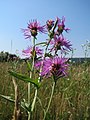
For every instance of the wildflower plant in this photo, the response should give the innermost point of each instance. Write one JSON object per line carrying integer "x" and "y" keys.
{"x": 47, "y": 62}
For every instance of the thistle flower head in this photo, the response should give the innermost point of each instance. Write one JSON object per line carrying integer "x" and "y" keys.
{"x": 61, "y": 26}
{"x": 33, "y": 28}
{"x": 50, "y": 24}
{"x": 53, "y": 66}
{"x": 60, "y": 43}
{"x": 29, "y": 52}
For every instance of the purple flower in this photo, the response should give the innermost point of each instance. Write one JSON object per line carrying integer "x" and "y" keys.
{"x": 53, "y": 66}
{"x": 60, "y": 43}
{"x": 29, "y": 52}
{"x": 61, "y": 26}
{"x": 50, "y": 24}
{"x": 33, "y": 28}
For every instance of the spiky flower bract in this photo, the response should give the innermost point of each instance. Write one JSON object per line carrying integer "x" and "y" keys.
{"x": 33, "y": 28}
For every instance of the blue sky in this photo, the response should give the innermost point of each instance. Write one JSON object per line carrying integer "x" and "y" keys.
{"x": 15, "y": 14}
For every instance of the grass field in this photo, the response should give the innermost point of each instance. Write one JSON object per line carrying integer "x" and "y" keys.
{"x": 71, "y": 100}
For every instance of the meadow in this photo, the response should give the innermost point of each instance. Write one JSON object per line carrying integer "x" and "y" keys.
{"x": 44, "y": 86}
{"x": 71, "y": 99}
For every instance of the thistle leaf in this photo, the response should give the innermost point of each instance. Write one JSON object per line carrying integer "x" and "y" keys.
{"x": 42, "y": 43}
{"x": 25, "y": 78}
{"x": 7, "y": 98}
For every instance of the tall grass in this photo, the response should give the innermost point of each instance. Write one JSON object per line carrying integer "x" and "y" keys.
{"x": 71, "y": 100}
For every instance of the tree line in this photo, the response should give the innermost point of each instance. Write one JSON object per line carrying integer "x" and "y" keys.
{"x": 6, "y": 57}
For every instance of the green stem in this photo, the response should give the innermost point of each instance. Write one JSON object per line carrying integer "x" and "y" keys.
{"x": 29, "y": 93}
{"x": 34, "y": 101}
{"x": 49, "y": 101}
{"x": 29, "y": 115}
{"x": 33, "y": 105}
{"x": 35, "y": 96}
{"x": 31, "y": 73}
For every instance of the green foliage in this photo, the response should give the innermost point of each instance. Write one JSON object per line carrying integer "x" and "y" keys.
{"x": 42, "y": 43}
{"x": 7, "y": 98}
{"x": 71, "y": 100}
{"x": 25, "y": 78}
